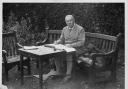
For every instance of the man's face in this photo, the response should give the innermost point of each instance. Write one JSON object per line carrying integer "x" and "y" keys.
{"x": 70, "y": 21}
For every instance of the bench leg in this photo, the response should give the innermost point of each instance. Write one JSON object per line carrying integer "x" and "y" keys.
{"x": 6, "y": 71}
{"x": 6, "y": 74}
{"x": 113, "y": 70}
{"x": 113, "y": 75}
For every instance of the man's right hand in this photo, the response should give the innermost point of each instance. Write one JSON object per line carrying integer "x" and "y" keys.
{"x": 55, "y": 42}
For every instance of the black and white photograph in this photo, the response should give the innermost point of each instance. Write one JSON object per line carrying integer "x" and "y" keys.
{"x": 63, "y": 45}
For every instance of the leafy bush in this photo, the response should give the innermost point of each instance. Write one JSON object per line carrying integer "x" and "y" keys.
{"x": 106, "y": 18}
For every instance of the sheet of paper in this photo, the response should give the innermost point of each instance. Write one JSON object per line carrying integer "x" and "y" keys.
{"x": 61, "y": 47}
{"x": 30, "y": 47}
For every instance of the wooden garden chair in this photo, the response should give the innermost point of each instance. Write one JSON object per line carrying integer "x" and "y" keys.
{"x": 10, "y": 55}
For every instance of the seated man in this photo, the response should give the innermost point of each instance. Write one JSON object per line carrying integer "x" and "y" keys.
{"x": 73, "y": 35}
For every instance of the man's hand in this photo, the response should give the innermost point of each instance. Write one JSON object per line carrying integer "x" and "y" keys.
{"x": 55, "y": 42}
{"x": 68, "y": 45}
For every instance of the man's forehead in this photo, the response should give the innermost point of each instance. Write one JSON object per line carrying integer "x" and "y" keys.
{"x": 69, "y": 17}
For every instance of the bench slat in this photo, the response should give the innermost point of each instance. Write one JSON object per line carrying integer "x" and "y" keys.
{"x": 103, "y": 45}
{"x": 113, "y": 45}
{"x": 109, "y": 46}
{"x": 54, "y": 31}
{"x": 106, "y": 45}
{"x": 100, "y": 43}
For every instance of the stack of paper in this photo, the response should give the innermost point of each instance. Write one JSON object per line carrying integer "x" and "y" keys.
{"x": 60, "y": 47}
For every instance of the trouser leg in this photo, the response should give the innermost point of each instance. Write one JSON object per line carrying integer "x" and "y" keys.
{"x": 69, "y": 64}
{"x": 58, "y": 64}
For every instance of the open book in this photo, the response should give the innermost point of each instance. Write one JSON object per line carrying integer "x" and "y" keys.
{"x": 60, "y": 47}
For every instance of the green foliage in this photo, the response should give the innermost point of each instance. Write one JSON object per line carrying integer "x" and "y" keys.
{"x": 107, "y": 18}
{"x": 94, "y": 17}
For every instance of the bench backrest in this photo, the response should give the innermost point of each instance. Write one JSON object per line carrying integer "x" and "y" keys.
{"x": 53, "y": 35}
{"x": 9, "y": 42}
{"x": 104, "y": 42}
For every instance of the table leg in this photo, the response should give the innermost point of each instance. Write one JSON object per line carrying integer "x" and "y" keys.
{"x": 29, "y": 66}
{"x": 21, "y": 69}
{"x": 40, "y": 73}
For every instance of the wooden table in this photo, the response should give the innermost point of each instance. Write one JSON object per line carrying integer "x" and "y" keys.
{"x": 41, "y": 53}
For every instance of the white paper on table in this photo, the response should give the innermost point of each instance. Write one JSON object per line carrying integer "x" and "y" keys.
{"x": 30, "y": 47}
{"x": 61, "y": 47}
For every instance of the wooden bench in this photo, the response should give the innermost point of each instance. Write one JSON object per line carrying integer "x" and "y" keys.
{"x": 108, "y": 44}
{"x": 9, "y": 53}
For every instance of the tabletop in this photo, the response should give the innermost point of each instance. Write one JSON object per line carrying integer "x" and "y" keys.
{"x": 40, "y": 50}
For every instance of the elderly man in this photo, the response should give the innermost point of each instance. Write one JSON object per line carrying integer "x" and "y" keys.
{"x": 73, "y": 35}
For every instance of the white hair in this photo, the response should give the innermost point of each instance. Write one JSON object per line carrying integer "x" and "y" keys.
{"x": 69, "y": 17}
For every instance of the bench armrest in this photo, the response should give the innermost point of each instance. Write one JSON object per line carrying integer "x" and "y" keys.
{"x": 93, "y": 55}
{"x": 19, "y": 45}
{"x": 110, "y": 53}
{"x": 4, "y": 53}
{"x": 104, "y": 55}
